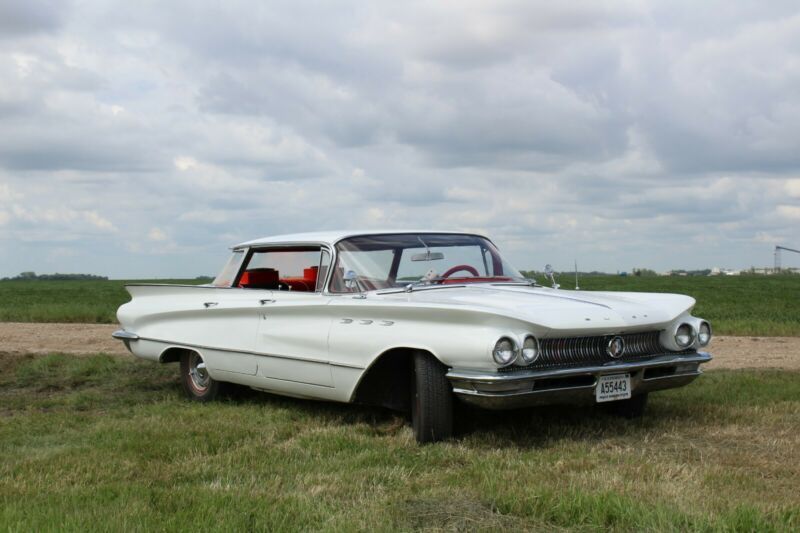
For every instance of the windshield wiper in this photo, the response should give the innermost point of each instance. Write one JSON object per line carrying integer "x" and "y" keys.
{"x": 432, "y": 283}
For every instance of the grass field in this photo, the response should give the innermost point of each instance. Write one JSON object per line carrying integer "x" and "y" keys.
{"x": 735, "y": 305}
{"x": 104, "y": 443}
{"x": 67, "y": 301}
{"x": 742, "y": 305}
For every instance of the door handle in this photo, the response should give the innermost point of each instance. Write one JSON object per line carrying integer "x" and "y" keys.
{"x": 210, "y": 304}
{"x": 266, "y": 301}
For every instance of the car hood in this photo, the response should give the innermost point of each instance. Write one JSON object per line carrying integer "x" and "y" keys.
{"x": 573, "y": 311}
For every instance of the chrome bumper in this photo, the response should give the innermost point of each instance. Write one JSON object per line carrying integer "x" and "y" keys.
{"x": 123, "y": 335}
{"x": 126, "y": 337}
{"x": 497, "y": 390}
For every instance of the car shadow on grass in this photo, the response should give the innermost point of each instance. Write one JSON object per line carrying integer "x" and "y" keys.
{"x": 545, "y": 426}
{"x": 541, "y": 426}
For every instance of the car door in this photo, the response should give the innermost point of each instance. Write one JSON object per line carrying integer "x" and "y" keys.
{"x": 292, "y": 338}
{"x": 223, "y": 325}
{"x": 293, "y": 321}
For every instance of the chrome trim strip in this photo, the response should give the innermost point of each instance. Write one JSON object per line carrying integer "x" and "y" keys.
{"x": 521, "y": 394}
{"x": 248, "y": 352}
{"x": 203, "y": 286}
{"x": 499, "y": 377}
{"x": 278, "y": 379}
{"x": 123, "y": 335}
{"x": 422, "y": 288}
{"x": 673, "y": 376}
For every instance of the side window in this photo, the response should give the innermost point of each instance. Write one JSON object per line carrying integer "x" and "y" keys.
{"x": 286, "y": 269}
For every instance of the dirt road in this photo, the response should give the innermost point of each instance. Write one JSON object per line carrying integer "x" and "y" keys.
{"x": 729, "y": 352}
{"x": 17, "y": 337}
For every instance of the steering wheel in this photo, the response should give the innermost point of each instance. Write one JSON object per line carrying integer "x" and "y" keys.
{"x": 459, "y": 268}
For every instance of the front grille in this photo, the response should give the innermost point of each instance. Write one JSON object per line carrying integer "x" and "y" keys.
{"x": 588, "y": 351}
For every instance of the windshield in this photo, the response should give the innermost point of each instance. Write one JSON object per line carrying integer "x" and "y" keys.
{"x": 229, "y": 271}
{"x": 392, "y": 261}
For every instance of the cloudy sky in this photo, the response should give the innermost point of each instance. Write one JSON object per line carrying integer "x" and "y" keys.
{"x": 142, "y": 139}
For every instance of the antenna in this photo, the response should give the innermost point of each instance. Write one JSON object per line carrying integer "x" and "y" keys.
{"x": 778, "y": 256}
{"x": 576, "y": 276}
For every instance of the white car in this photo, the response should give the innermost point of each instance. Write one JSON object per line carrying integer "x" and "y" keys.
{"x": 413, "y": 321}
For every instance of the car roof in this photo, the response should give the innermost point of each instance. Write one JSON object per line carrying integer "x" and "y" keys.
{"x": 332, "y": 237}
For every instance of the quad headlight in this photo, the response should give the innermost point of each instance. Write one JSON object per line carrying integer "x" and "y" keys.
{"x": 504, "y": 352}
{"x": 704, "y": 334}
{"x": 530, "y": 350}
{"x": 684, "y": 335}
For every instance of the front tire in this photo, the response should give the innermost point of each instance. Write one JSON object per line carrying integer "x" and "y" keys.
{"x": 198, "y": 385}
{"x": 431, "y": 400}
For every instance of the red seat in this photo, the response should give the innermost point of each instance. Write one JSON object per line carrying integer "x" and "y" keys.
{"x": 310, "y": 274}
{"x": 259, "y": 278}
{"x": 305, "y": 284}
{"x": 298, "y": 284}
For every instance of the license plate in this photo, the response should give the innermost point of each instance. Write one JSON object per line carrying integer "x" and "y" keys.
{"x": 615, "y": 387}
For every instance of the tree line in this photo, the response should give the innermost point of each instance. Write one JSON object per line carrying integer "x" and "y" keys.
{"x": 33, "y": 276}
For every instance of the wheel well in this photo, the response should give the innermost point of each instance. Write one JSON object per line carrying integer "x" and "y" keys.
{"x": 172, "y": 355}
{"x": 387, "y": 381}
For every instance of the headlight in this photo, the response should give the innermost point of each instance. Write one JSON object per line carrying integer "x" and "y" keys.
{"x": 530, "y": 350}
{"x": 505, "y": 352}
{"x": 684, "y": 336}
{"x": 704, "y": 334}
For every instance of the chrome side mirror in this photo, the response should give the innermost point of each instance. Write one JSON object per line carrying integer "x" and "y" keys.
{"x": 551, "y": 275}
{"x": 351, "y": 280}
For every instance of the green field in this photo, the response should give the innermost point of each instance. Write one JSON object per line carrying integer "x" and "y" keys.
{"x": 67, "y": 301}
{"x": 108, "y": 443}
{"x": 735, "y": 305}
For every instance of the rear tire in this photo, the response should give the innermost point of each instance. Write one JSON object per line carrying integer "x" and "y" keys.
{"x": 631, "y": 408}
{"x": 197, "y": 384}
{"x": 431, "y": 400}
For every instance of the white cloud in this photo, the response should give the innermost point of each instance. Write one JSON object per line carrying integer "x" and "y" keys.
{"x": 617, "y": 133}
{"x": 157, "y": 234}
{"x": 98, "y": 221}
{"x": 793, "y": 187}
{"x": 789, "y": 211}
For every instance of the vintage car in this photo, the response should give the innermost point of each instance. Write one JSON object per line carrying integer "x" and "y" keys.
{"x": 414, "y": 321}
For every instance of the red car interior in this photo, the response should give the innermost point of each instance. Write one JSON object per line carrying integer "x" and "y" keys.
{"x": 269, "y": 278}
{"x": 305, "y": 284}
{"x": 259, "y": 278}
